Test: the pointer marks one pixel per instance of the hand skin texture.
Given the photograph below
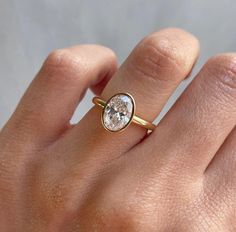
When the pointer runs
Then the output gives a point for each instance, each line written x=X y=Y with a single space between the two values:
x=55 y=176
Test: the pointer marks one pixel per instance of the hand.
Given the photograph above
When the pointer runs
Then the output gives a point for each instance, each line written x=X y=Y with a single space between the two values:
x=60 y=177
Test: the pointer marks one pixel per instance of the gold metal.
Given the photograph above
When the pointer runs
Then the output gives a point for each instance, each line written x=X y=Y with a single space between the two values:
x=135 y=119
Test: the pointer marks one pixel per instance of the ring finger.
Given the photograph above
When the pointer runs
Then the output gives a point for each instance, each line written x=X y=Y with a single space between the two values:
x=150 y=74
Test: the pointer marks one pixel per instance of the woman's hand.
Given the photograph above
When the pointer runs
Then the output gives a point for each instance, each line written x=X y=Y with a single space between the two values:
x=59 y=177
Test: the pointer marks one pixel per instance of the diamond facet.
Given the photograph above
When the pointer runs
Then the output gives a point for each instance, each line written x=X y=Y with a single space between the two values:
x=118 y=112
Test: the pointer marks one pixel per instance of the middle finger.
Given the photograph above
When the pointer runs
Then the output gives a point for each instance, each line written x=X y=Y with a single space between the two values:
x=191 y=133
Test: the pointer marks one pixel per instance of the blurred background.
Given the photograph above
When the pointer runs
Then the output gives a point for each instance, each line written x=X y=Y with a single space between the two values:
x=30 y=29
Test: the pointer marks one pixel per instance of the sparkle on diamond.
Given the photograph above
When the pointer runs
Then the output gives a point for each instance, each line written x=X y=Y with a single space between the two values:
x=118 y=112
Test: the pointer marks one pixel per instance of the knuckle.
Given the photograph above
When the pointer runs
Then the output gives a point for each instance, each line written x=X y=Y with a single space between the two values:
x=61 y=62
x=223 y=68
x=167 y=48
x=155 y=55
x=58 y=58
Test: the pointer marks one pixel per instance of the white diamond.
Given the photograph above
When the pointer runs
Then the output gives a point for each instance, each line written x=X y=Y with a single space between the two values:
x=118 y=112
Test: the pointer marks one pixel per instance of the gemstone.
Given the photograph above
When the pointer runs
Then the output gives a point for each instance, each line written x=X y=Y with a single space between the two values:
x=118 y=112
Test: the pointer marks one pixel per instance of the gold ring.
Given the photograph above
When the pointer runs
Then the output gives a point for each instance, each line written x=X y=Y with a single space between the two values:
x=119 y=111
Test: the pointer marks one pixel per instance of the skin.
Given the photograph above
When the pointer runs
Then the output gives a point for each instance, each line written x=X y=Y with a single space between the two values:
x=55 y=176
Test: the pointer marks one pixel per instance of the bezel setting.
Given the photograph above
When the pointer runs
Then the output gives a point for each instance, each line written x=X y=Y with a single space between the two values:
x=110 y=105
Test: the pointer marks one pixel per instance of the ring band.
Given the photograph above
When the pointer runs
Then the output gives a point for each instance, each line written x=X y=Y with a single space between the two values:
x=119 y=112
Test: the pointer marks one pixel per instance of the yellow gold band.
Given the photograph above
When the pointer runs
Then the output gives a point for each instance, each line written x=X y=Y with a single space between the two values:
x=137 y=120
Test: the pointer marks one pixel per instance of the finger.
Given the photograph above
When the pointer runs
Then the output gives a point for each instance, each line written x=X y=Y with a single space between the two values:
x=191 y=133
x=150 y=74
x=221 y=170
x=220 y=177
x=49 y=103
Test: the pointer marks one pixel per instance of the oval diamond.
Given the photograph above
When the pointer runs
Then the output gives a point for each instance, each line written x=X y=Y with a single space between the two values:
x=118 y=112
